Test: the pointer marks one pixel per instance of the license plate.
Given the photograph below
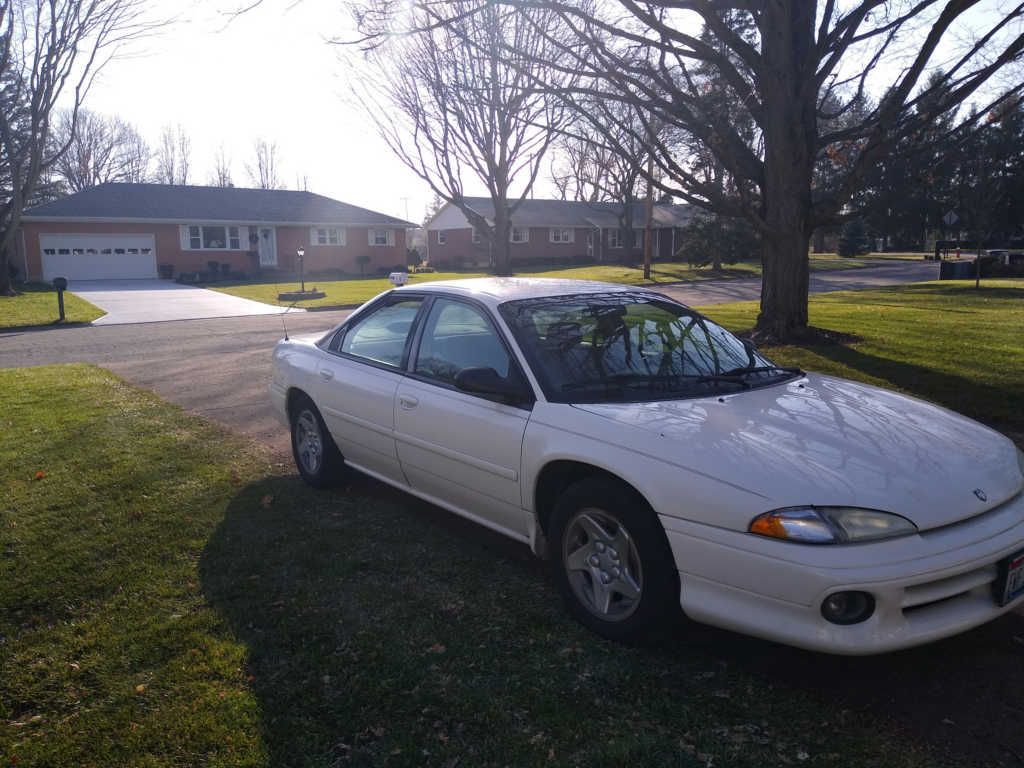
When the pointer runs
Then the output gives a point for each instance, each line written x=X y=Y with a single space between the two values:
x=1010 y=585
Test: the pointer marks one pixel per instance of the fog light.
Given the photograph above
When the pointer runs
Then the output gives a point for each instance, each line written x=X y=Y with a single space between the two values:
x=848 y=607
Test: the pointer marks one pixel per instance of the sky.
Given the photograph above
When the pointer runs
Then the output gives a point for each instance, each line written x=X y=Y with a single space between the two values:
x=272 y=74
x=269 y=74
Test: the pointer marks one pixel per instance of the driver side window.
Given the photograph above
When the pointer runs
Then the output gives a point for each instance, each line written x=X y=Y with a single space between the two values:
x=458 y=336
x=381 y=336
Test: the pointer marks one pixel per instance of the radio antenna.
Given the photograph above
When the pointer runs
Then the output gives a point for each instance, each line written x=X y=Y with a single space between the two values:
x=282 y=314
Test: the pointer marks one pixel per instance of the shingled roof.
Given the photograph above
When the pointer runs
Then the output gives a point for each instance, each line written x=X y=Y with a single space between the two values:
x=572 y=213
x=166 y=202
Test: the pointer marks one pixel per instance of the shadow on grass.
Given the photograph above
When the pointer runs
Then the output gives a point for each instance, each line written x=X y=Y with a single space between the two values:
x=1002 y=407
x=381 y=630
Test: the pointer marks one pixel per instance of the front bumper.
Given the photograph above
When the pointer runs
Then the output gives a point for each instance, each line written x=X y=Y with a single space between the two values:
x=926 y=587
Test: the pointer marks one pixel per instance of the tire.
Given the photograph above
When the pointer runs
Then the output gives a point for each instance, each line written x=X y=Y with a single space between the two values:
x=316 y=455
x=612 y=562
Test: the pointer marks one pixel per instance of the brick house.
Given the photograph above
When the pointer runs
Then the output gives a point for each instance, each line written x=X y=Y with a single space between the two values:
x=115 y=231
x=552 y=231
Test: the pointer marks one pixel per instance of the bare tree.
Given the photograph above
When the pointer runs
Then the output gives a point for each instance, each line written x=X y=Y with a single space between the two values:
x=174 y=156
x=791 y=67
x=50 y=51
x=453 y=96
x=100 y=149
x=221 y=176
x=264 y=173
x=603 y=159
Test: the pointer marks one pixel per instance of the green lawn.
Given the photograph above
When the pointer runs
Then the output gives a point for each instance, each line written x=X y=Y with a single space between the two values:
x=944 y=341
x=355 y=290
x=170 y=597
x=37 y=305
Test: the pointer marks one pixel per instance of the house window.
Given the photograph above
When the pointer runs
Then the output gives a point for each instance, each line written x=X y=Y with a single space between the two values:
x=382 y=237
x=615 y=238
x=442 y=238
x=327 y=236
x=562 y=236
x=476 y=235
x=214 y=238
x=519 y=235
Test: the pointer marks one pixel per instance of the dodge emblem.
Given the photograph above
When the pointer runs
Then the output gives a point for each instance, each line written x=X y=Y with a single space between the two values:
x=980 y=494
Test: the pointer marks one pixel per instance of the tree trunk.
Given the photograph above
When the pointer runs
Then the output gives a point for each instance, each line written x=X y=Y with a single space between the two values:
x=818 y=242
x=6 y=288
x=790 y=128
x=502 y=241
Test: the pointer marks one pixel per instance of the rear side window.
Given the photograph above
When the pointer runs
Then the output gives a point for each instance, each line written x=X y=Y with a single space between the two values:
x=381 y=336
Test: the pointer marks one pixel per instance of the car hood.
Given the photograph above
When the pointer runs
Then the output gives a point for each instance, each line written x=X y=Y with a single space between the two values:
x=826 y=441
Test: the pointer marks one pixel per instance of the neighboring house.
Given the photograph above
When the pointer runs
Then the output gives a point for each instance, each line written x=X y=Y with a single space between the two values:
x=555 y=230
x=115 y=231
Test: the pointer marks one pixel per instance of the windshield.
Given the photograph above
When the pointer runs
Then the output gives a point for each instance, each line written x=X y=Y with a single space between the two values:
x=622 y=347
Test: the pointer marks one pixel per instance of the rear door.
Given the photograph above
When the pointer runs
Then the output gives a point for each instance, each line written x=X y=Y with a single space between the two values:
x=357 y=381
x=464 y=450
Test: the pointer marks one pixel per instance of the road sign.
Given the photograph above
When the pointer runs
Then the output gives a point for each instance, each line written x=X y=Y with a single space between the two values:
x=950 y=218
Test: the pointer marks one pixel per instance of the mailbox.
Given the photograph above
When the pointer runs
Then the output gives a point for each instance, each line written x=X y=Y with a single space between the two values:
x=61 y=284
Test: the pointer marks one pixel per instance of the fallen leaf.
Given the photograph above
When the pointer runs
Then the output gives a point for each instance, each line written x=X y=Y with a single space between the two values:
x=266 y=501
x=40 y=475
x=436 y=648
x=140 y=687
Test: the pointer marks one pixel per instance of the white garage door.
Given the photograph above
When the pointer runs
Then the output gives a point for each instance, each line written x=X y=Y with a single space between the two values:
x=98 y=257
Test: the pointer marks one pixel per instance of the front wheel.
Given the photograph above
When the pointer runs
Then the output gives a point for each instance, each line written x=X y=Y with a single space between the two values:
x=612 y=562
x=316 y=456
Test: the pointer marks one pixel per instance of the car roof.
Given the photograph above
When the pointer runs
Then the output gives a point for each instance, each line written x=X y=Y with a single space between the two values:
x=497 y=290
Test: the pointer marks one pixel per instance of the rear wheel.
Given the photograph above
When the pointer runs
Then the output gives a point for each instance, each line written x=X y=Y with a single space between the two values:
x=316 y=456
x=612 y=562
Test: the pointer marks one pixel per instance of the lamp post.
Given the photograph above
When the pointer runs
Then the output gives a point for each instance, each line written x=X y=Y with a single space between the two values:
x=301 y=253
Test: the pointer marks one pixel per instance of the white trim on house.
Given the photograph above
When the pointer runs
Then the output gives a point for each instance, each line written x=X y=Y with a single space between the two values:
x=442 y=237
x=248 y=222
x=373 y=237
x=327 y=235
x=193 y=236
x=562 y=235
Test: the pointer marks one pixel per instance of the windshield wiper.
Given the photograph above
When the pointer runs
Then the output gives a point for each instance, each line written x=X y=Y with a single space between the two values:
x=654 y=382
x=743 y=371
x=726 y=378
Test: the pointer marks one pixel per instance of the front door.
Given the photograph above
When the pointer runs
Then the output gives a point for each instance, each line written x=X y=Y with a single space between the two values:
x=268 y=247
x=462 y=449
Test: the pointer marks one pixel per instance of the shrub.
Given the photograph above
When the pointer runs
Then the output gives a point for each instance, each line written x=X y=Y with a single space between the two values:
x=853 y=239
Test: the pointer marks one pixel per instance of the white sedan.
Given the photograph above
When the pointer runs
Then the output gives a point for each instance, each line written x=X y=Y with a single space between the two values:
x=659 y=461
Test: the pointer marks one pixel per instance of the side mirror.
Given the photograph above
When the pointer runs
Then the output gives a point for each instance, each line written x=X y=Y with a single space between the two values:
x=487 y=382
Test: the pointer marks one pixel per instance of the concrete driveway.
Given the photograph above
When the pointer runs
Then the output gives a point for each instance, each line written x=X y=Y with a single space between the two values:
x=152 y=301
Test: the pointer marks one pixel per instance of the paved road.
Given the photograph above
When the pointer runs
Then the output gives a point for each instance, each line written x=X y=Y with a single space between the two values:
x=220 y=368
x=151 y=301
x=886 y=273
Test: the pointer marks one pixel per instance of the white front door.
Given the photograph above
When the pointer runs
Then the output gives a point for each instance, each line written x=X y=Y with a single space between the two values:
x=98 y=257
x=267 y=246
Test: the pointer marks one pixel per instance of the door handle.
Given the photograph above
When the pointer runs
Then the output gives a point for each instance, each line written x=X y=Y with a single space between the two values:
x=326 y=375
x=408 y=402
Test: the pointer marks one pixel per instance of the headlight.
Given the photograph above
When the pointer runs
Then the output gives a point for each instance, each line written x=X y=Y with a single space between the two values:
x=831 y=525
